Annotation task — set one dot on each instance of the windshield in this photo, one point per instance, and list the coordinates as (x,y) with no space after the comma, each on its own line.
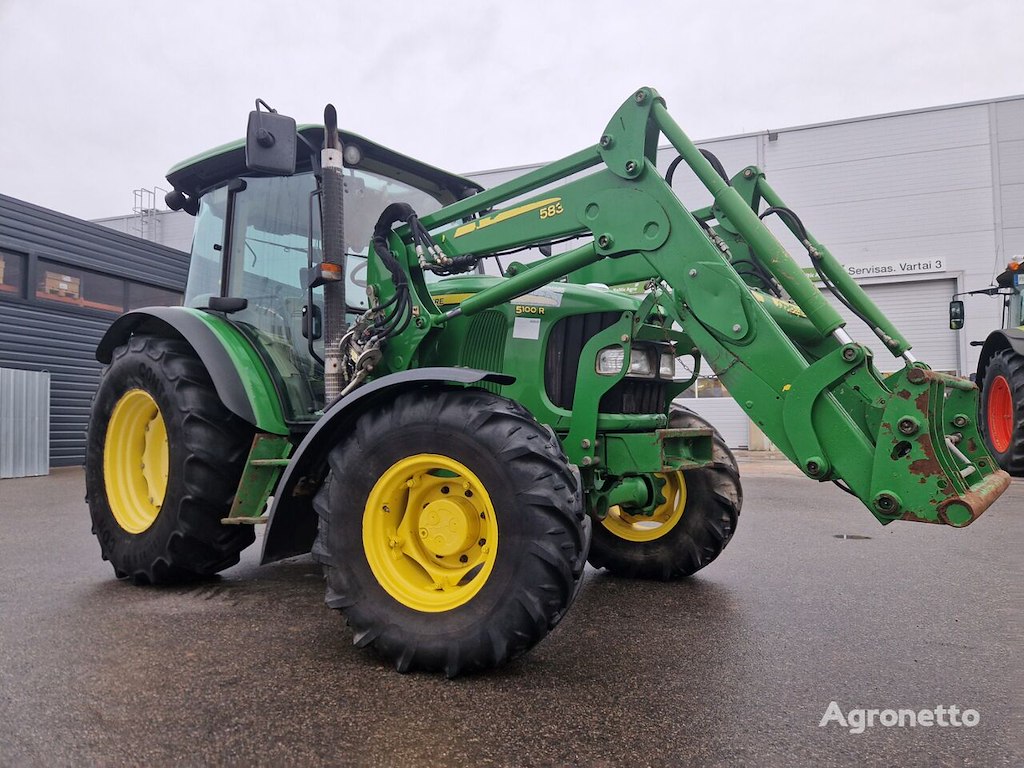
(274,234)
(277,212)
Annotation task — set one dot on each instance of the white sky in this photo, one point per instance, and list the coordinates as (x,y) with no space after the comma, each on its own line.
(99,98)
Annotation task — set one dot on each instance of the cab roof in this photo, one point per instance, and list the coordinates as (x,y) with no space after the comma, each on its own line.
(211,168)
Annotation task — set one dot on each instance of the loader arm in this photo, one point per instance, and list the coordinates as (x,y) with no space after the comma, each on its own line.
(907,445)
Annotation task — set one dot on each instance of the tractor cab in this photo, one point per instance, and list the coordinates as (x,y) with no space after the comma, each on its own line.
(258,238)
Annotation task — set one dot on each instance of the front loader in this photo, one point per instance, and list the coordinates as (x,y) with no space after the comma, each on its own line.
(454,446)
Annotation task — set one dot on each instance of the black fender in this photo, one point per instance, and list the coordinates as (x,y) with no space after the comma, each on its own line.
(997,341)
(178,322)
(292,524)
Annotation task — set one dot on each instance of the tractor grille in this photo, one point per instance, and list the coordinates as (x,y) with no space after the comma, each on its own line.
(634,396)
(565,346)
(485,344)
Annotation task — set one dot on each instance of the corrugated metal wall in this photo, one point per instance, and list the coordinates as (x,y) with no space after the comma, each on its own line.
(42,338)
(54,235)
(24,423)
(44,335)
(1008,140)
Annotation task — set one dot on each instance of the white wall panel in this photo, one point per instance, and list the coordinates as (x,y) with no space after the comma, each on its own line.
(1011,162)
(1010,119)
(882,136)
(1013,241)
(883,178)
(1012,196)
(918,309)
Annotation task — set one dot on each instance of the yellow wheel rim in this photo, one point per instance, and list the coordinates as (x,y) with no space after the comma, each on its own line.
(135,461)
(651,527)
(429,533)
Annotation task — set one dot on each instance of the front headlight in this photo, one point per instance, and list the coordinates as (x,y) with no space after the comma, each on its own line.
(609,362)
(667,368)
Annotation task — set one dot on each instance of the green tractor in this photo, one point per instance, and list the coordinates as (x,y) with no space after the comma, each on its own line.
(1001,370)
(454,446)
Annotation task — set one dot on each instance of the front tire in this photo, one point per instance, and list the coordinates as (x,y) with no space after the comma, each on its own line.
(452,532)
(686,532)
(163,462)
(1002,410)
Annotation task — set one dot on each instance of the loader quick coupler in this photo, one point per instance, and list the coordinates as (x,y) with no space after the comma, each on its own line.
(926,433)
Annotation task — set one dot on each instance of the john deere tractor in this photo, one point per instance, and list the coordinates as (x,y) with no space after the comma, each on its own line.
(453,445)
(1001,370)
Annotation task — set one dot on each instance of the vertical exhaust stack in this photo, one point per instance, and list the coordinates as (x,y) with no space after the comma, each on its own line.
(335,322)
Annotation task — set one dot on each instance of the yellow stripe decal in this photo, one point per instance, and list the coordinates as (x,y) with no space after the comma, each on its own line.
(497,218)
(443,299)
(785,306)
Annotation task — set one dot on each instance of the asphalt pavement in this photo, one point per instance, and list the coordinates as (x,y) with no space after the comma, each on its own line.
(812,602)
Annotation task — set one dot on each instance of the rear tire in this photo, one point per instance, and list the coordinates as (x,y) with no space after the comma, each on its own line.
(163,462)
(451,532)
(1002,410)
(685,539)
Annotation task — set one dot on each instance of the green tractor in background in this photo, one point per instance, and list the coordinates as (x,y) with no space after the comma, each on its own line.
(454,446)
(1001,370)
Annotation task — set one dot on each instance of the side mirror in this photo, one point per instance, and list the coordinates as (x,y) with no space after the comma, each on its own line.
(956,315)
(270,143)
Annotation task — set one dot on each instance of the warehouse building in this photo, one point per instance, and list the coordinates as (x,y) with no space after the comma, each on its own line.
(918,206)
(62,282)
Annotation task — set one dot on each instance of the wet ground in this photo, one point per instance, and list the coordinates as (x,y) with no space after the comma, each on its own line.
(734,667)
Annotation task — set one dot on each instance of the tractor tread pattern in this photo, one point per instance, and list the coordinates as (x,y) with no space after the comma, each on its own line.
(187,541)
(714,498)
(1009,364)
(546,577)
